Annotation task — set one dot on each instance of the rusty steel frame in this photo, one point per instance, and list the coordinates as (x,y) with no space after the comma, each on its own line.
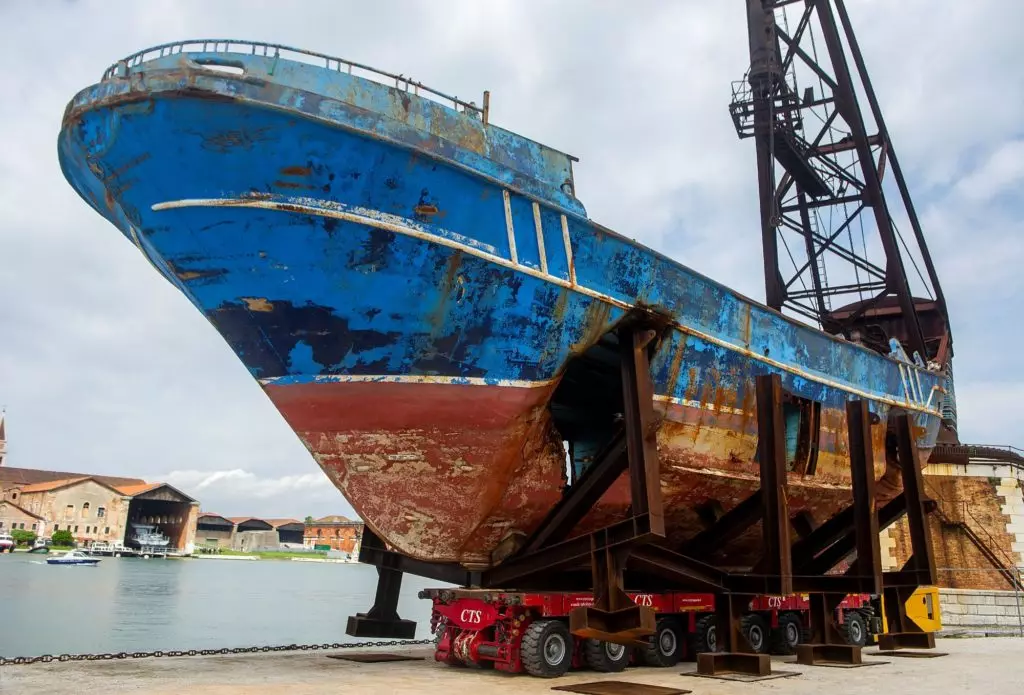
(815,153)
(632,552)
(382,620)
(920,567)
(613,616)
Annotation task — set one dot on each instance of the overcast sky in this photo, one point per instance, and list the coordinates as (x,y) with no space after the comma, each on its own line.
(105,368)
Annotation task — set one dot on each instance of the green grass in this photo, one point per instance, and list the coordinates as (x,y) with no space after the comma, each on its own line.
(275,554)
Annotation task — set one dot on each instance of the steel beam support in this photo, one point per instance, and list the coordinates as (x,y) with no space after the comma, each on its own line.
(570,553)
(888,515)
(684,571)
(581,497)
(612,617)
(862,469)
(736,655)
(730,526)
(913,491)
(826,645)
(920,568)
(771,451)
(641,429)
(382,620)
(891,641)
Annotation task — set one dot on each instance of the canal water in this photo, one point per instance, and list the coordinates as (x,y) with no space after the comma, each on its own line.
(131,604)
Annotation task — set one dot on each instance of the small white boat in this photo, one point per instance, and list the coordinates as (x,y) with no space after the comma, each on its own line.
(73,557)
(149,536)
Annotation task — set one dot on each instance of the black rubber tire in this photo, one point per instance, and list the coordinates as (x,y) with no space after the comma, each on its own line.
(540,653)
(605,657)
(854,628)
(755,629)
(666,645)
(789,634)
(704,638)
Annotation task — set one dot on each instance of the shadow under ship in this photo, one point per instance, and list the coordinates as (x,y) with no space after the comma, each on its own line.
(424,299)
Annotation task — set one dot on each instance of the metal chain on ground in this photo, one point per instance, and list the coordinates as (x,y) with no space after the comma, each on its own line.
(47,658)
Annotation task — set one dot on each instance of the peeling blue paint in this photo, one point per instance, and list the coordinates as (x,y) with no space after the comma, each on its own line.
(301,292)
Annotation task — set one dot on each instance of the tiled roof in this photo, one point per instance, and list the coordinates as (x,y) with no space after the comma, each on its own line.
(281,522)
(333,519)
(52,484)
(208,515)
(138,489)
(15,477)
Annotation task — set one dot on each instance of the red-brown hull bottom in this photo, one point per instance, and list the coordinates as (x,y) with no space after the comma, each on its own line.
(445,472)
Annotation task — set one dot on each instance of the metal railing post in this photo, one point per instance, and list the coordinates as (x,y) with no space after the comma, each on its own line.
(1017,595)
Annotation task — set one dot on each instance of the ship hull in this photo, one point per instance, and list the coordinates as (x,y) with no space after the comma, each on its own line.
(413,310)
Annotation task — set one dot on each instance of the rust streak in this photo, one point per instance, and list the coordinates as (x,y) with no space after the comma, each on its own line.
(296,171)
(292,184)
(257,304)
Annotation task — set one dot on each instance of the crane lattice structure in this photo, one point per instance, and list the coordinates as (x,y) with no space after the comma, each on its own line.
(843,246)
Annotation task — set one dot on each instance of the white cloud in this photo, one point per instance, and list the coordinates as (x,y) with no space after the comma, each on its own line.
(1003,171)
(237,491)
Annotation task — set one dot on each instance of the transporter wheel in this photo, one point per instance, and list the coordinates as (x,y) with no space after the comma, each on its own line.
(547,649)
(666,646)
(855,628)
(755,629)
(704,638)
(606,657)
(789,634)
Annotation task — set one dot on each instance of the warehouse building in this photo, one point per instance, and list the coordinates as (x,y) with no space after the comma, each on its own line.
(95,508)
(246,533)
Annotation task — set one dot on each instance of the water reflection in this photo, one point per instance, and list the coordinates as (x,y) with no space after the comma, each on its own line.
(130,604)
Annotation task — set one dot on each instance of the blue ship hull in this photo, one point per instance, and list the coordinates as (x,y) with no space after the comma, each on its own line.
(411,287)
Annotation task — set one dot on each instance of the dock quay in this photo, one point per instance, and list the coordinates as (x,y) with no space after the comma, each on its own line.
(972,666)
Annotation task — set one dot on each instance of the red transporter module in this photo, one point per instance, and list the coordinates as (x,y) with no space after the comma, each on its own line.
(523,631)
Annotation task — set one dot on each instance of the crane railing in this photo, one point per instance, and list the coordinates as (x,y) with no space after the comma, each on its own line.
(274,50)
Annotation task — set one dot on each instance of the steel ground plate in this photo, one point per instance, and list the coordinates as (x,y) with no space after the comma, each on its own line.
(911,654)
(620,688)
(375,657)
(743,677)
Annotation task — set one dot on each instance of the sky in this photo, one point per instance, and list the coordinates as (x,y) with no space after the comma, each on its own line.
(105,368)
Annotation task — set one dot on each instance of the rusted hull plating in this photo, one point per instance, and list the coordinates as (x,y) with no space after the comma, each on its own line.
(410,286)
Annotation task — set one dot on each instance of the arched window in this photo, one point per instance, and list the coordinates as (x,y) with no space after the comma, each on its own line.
(85,510)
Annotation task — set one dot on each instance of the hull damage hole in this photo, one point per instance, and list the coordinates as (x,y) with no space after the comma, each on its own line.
(587,405)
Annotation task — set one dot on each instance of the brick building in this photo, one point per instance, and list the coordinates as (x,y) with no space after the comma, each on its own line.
(337,532)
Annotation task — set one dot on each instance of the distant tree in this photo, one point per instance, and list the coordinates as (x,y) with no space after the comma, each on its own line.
(309,520)
(22,537)
(62,537)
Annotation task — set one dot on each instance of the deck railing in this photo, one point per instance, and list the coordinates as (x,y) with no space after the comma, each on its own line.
(273,50)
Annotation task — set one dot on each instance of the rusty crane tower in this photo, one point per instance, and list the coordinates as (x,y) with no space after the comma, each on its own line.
(842,242)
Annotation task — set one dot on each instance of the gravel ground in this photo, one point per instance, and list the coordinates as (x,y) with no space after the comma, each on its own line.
(989,666)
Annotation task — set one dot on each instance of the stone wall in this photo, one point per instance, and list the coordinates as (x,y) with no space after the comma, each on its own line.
(984,500)
(977,608)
